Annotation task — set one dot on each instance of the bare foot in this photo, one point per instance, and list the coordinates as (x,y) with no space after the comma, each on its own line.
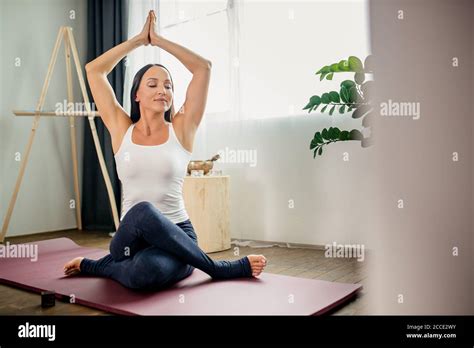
(73,266)
(257,263)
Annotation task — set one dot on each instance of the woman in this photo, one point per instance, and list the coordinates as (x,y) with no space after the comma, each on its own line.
(155,245)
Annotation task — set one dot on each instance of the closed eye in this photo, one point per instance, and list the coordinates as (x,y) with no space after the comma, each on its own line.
(167,86)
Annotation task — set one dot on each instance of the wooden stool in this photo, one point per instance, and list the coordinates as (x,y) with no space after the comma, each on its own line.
(206,199)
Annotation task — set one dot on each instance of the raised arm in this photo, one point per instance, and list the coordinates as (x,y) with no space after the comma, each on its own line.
(196,93)
(112,113)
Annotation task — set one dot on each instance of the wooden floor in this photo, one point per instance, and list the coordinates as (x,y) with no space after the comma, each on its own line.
(300,262)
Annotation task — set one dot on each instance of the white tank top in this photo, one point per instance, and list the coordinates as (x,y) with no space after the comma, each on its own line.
(153,173)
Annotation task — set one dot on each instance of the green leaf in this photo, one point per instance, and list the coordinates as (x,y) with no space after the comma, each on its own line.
(368,63)
(315,151)
(324,108)
(331,133)
(325,134)
(326,69)
(344,93)
(344,65)
(353,95)
(355,64)
(355,134)
(318,137)
(320,151)
(347,84)
(361,111)
(332,110)
(359,78)
(334,97)
(315,108)
(325,98)
(315,100)
(344,135)
(342,109)
(334,67)
(322,76)
(329,76)
(336,133)
(313,144)
(319,71)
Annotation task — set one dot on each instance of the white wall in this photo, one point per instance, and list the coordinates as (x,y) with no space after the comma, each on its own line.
(330,204)
(28,31)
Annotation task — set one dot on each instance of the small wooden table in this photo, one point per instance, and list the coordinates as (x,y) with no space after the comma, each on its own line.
(206,199)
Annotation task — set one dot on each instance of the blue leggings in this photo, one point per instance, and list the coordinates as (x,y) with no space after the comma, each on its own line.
(148,251)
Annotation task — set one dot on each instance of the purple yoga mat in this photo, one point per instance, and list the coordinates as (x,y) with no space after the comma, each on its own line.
(270,294)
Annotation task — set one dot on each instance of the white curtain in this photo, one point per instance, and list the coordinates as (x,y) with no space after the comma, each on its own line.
(265,55)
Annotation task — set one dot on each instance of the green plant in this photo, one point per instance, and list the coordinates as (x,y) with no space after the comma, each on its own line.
(353,96)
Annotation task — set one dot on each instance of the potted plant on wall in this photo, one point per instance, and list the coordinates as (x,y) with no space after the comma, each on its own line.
(354,96)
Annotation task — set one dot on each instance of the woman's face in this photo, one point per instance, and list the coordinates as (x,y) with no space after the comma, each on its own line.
(155,91)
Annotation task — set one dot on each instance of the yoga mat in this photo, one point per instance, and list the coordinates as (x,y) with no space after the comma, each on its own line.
(199,294)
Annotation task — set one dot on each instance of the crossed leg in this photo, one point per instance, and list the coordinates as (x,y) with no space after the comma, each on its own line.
(148,250)
(144,224)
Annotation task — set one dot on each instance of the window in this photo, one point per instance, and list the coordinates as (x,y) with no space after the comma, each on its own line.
(264,53)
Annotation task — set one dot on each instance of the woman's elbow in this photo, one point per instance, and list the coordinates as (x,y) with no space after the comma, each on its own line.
(93,69)
(89,68)
(204,66)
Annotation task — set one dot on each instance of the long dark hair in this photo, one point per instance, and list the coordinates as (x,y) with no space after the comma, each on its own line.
(135,106)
